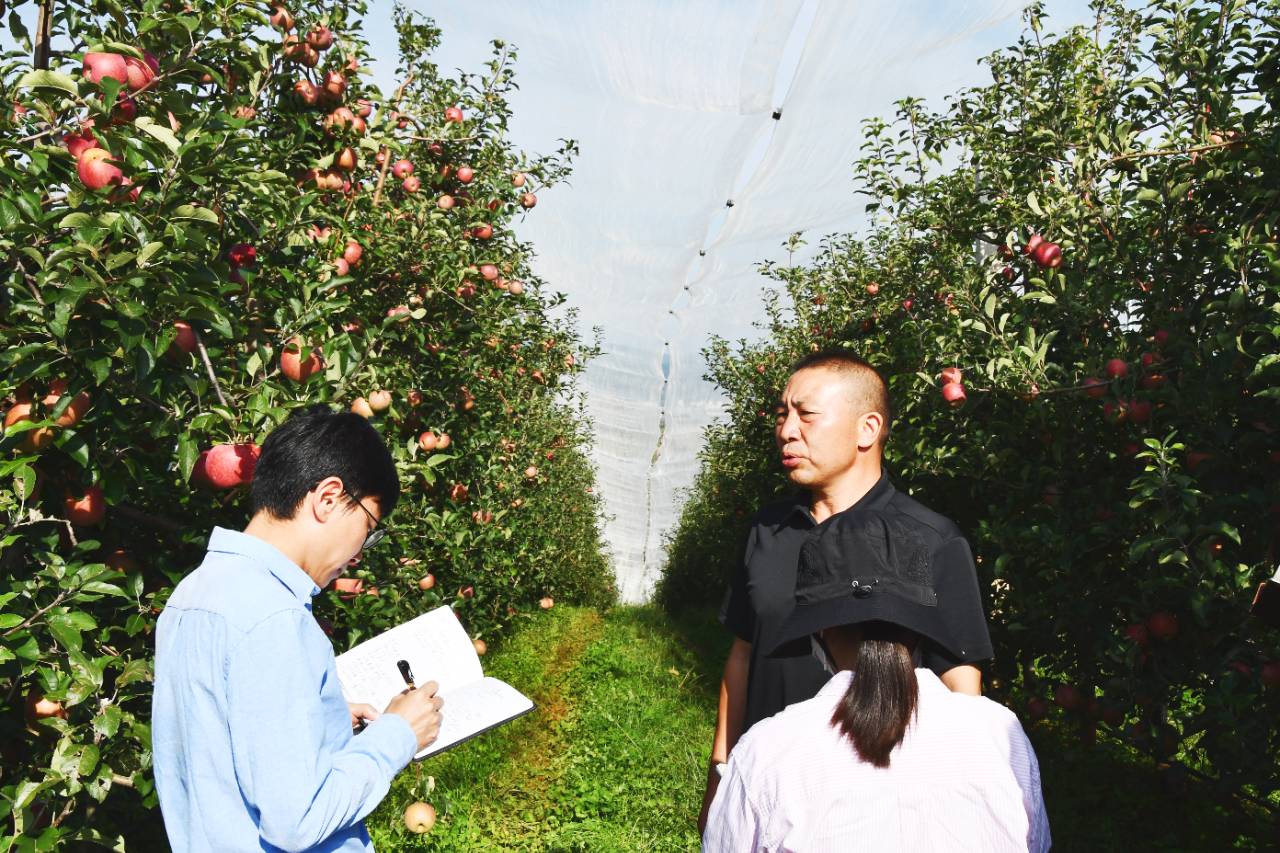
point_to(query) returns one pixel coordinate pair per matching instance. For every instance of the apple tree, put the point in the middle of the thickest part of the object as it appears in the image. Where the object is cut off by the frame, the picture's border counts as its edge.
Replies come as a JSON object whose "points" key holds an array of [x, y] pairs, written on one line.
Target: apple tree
{"points": [[1070, 280], [207, 223]]}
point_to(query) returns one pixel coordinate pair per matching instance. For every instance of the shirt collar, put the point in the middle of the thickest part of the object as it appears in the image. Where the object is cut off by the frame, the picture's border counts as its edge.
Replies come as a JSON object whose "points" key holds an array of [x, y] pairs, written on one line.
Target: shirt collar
{"points": [[875, 498], [926, 678], [264, 553]]}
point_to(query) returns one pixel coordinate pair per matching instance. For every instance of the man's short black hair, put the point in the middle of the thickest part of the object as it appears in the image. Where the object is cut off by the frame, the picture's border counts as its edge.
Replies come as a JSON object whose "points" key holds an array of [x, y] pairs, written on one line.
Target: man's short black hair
{"points": [[872, 392], [315, 443]]}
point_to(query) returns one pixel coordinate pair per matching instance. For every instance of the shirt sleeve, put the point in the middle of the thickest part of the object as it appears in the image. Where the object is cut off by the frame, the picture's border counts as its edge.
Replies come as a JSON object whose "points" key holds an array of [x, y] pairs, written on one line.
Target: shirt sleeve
{"points": [[736, 612], [301, 789], [1027, 769], [733, 825], [955, 579]]}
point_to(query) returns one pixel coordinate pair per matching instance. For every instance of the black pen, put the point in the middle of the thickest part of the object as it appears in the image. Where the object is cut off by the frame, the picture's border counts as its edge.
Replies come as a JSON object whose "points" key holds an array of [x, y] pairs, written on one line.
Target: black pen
{"points": [[406, 673]]}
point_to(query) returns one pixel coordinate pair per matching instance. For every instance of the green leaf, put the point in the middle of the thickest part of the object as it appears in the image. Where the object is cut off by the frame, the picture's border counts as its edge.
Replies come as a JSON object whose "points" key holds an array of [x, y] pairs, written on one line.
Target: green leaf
{"points": [[148, 251], [190, 211], [1034, 204], [49, 80], [160, 132]]}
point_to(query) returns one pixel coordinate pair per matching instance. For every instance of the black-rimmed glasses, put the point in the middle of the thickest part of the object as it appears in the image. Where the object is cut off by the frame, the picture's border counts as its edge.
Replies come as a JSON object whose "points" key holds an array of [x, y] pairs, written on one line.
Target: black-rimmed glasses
{"points": [[377, 534]]}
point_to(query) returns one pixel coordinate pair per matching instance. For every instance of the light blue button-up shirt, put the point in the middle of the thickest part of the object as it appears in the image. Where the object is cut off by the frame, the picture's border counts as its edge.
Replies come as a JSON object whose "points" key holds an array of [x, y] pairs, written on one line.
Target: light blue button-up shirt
{"points": [[251, 736]]}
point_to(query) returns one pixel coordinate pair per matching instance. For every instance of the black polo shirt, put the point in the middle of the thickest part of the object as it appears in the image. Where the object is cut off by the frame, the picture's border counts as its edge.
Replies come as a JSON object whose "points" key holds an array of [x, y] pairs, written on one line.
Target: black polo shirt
{"points": [[762, 593]]}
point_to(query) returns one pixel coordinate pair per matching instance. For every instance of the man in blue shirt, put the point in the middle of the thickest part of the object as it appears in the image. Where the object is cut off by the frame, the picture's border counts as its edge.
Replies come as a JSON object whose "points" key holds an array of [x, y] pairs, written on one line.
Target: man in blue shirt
{"points": [[252, 739]]}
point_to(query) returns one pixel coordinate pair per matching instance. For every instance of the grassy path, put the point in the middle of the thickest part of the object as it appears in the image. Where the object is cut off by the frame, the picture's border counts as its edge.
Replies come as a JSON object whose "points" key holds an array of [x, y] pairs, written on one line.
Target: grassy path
{"points": [[612, 760]]}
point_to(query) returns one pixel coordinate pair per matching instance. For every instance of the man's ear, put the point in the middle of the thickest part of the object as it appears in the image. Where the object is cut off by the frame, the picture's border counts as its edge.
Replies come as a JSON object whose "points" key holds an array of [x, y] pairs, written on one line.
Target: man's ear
{"points": [[326, 498], [869, 427]]}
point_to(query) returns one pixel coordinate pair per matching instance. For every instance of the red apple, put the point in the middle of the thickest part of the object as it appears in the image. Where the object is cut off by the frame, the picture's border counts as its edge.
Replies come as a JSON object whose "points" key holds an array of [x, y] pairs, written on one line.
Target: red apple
{"points": [[953, 393], [345, 159], [1137, 633], [141, 71], [225, 466], [488, 271], [364, 107], [411, 184], [427, 582], [97, 170], [78, 143], [1162, 625], [353, 252], [101, 66], [465, 174], [402, 168], [39, 708], [1033, 242], [306, 92], [453, 115], [444, 441], [87, 510], [480, 646], [528, 200], [335, 83], [1139, 411], [401, 311], [951, 374], [1117, 368], [546, 602], [242, 255], [1068, 697], [320, 37], [1269, 672], [483, 231], [186, 338], [362, 408], [515, 288], [294, 366], [348, 588], [1048, 255], [1095, 387], [458, 492], [445, 202], [341, 267], [380, 401], [1037, 708], [281, 19], [1161, 337], [518, 179]]}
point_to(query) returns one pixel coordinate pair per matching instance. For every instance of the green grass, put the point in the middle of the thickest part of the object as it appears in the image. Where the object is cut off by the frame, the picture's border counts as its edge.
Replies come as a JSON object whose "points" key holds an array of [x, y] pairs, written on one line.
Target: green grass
{"points": [[612, 760], [614, 757]]}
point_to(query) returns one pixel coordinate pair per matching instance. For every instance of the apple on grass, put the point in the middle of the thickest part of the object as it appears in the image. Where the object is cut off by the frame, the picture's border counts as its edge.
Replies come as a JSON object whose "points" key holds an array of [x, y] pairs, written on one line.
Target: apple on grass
{"points": [[419, 817]]}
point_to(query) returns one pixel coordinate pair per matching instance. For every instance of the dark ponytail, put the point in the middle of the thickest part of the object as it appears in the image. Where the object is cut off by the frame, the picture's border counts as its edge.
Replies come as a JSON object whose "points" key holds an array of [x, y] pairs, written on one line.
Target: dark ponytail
{"points": [[881, 700]]}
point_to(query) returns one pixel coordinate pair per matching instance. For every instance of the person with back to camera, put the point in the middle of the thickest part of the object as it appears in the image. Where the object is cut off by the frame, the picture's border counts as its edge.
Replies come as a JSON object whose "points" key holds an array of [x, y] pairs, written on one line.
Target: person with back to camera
{"points": [[832, 422], [885, 757], [252, 739]]}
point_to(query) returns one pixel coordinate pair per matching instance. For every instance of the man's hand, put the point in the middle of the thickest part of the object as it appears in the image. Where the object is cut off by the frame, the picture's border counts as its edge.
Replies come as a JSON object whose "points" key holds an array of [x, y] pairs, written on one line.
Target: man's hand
{"points": [[421, 710], [362, 713]]}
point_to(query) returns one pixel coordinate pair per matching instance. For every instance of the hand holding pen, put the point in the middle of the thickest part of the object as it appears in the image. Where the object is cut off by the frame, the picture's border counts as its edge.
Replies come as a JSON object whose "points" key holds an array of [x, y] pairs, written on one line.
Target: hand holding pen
{"points": [[419, 706]]}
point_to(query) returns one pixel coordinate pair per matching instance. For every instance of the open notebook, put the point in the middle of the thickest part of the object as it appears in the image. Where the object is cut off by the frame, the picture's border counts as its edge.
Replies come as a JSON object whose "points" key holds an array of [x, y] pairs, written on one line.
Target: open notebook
{"points": [[437, 649]]}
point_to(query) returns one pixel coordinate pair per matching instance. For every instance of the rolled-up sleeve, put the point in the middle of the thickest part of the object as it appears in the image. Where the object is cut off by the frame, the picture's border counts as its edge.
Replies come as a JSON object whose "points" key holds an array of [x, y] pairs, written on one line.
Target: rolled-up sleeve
{"points": [[301, 788]]}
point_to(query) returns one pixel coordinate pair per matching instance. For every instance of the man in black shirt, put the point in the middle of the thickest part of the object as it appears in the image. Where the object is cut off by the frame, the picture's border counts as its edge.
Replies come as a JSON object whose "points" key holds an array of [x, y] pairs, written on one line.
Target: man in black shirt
{"points": [[831, 425]]}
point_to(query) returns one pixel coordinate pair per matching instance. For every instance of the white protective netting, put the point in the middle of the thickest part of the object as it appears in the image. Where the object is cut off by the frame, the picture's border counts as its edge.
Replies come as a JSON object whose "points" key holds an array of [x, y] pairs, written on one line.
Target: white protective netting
{"points": [[672, 104]]}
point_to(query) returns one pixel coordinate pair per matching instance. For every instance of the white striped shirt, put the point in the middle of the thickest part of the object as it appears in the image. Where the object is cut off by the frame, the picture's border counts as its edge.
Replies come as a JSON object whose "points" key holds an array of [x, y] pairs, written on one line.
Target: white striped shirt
{"points": [[964, 778]]}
